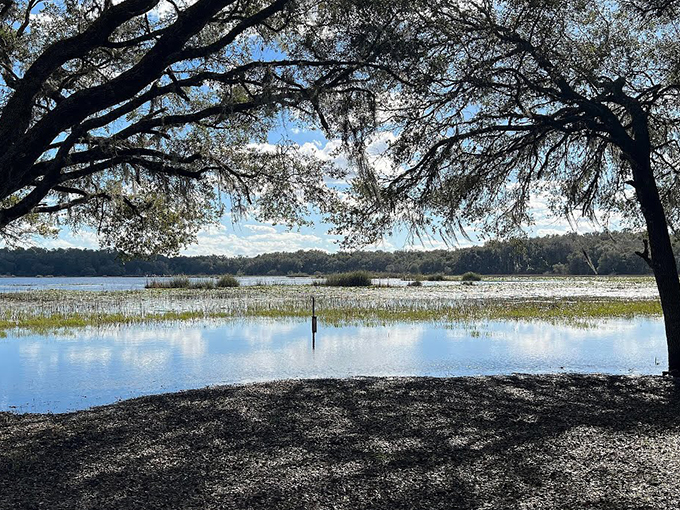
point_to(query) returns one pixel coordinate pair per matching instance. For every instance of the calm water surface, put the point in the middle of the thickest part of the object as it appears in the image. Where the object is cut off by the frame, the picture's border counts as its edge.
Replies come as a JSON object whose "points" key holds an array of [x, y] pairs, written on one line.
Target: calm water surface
{"points": [[98, 366], [22, 284], [505, 287]]}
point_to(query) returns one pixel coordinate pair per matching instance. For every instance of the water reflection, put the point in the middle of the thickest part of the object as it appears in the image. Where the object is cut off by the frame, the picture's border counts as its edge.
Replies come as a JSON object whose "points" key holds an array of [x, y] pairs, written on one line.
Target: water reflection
{"points": [[92, 367]]}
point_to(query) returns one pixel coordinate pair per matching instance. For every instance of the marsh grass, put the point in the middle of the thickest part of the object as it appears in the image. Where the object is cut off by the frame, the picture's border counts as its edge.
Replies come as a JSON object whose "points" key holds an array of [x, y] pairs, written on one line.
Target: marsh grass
{"points": [[45, 323], [183, 282], [576, 312], [331, 313], [54, 309], [202, 284], [471, 277], [353, 279], [227, 280], [177, 282]]}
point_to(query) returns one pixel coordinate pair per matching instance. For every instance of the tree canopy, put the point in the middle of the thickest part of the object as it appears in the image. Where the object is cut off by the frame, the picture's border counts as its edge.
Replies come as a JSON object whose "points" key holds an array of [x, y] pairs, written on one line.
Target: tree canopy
{"points": [[503, 100], [141, 119]]}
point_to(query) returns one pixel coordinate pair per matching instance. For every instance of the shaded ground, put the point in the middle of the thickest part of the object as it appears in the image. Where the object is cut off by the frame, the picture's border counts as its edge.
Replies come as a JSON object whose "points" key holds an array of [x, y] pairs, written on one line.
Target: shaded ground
{"points": [[559, 441]]}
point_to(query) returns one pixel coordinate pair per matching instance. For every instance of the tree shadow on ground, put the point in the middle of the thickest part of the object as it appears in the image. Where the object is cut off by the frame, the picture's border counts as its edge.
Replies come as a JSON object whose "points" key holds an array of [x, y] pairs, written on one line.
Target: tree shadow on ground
{"points": [[566, 441]]}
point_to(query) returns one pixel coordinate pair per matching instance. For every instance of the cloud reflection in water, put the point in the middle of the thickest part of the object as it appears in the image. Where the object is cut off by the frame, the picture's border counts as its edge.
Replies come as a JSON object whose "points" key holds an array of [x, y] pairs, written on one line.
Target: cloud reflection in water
{"points": [[97, 366]]}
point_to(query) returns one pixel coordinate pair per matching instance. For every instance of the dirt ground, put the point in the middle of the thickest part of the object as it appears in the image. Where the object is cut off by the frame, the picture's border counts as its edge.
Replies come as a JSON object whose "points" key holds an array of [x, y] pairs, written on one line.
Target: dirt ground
{"points": [[548, 441]]}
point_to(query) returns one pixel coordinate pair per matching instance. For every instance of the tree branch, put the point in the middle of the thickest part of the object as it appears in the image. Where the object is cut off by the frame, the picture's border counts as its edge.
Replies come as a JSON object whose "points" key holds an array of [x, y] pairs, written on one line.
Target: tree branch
{"points": [[644, 255]]}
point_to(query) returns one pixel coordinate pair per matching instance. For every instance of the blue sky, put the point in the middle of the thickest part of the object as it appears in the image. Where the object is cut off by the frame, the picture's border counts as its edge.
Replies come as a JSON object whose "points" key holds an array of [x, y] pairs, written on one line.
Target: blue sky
{"points": [[248, 237]]}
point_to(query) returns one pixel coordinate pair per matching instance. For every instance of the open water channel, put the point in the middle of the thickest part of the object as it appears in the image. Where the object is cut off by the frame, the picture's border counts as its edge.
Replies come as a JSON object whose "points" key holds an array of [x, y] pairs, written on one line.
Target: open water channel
{"points": [[93, 366]]}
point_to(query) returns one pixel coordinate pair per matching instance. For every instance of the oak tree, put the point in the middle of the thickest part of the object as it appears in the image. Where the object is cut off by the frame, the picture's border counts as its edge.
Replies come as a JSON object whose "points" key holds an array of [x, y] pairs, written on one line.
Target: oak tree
{"points": [[491, 102], [141, 119]]}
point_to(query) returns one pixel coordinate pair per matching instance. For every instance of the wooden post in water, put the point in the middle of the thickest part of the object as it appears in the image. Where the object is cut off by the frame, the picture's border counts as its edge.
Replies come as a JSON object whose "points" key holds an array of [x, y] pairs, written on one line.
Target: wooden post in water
{"points": [[313, 323]]}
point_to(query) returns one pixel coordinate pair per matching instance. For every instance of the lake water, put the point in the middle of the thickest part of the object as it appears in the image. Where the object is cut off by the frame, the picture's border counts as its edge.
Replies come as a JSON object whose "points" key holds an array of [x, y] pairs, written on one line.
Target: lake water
{"points": [[22, 284], [41, 373], [505, 287]]}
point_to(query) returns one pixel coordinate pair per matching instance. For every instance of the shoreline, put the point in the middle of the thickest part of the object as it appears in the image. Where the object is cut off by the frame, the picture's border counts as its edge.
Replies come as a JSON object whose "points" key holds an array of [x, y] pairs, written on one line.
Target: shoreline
{"points": [[518, 441]]}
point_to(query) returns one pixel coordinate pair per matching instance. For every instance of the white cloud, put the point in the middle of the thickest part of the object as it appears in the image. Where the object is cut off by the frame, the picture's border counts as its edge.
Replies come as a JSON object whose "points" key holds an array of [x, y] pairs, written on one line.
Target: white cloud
{"points": [[376, 149], [165, 7], [268, 148], [262, 241], [542, 232], [549, 222], [330, 151], [265, 229], [383, 245]]}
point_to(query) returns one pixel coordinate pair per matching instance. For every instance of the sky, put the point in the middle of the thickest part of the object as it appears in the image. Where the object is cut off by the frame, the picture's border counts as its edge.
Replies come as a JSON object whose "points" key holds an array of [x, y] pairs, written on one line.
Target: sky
{"points": [[248, 237]]}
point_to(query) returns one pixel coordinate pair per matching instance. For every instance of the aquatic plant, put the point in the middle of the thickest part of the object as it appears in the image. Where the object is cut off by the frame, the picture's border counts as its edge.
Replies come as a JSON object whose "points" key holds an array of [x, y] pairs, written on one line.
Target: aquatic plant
{"points": [[202, 284], [354, 279], [564, 300], [183, 282], [177, 282], [470, 277], [227, 280]]}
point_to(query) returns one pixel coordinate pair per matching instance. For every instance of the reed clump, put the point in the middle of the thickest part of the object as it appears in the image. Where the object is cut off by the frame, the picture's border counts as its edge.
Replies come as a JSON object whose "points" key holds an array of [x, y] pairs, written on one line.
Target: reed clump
{"points": [[353, 279], [202, 284], [227, 280], [183, 282], [178, 282], [470, 277]]}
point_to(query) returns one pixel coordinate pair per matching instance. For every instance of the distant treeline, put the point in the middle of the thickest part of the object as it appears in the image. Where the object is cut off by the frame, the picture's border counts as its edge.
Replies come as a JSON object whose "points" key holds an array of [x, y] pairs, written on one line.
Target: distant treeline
{"points": [[574, 254]]}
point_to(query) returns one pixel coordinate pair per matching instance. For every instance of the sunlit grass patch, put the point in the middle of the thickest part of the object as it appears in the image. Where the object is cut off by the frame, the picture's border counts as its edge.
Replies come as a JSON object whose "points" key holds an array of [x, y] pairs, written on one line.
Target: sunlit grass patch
{"points": [[45, 323], [553, 311]]}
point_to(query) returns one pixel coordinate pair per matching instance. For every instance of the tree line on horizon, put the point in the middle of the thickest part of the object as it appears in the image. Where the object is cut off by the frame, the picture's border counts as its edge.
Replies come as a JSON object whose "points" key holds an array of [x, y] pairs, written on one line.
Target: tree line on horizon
{"points": [[570, 254]]}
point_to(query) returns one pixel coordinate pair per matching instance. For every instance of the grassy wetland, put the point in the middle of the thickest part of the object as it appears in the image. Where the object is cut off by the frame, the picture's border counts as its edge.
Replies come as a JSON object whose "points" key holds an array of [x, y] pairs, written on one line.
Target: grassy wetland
{"points": [[574, 300]]}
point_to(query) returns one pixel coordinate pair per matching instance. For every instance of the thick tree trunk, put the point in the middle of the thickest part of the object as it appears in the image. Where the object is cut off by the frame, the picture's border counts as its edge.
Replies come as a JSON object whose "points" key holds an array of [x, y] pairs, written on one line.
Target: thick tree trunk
{"points": [[662, 258]]}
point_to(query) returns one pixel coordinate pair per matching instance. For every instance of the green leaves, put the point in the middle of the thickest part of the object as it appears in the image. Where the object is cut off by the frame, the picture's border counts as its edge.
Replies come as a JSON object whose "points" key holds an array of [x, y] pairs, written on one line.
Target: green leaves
{"points": [[153, 223], [507, 99], [139, 122]]}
